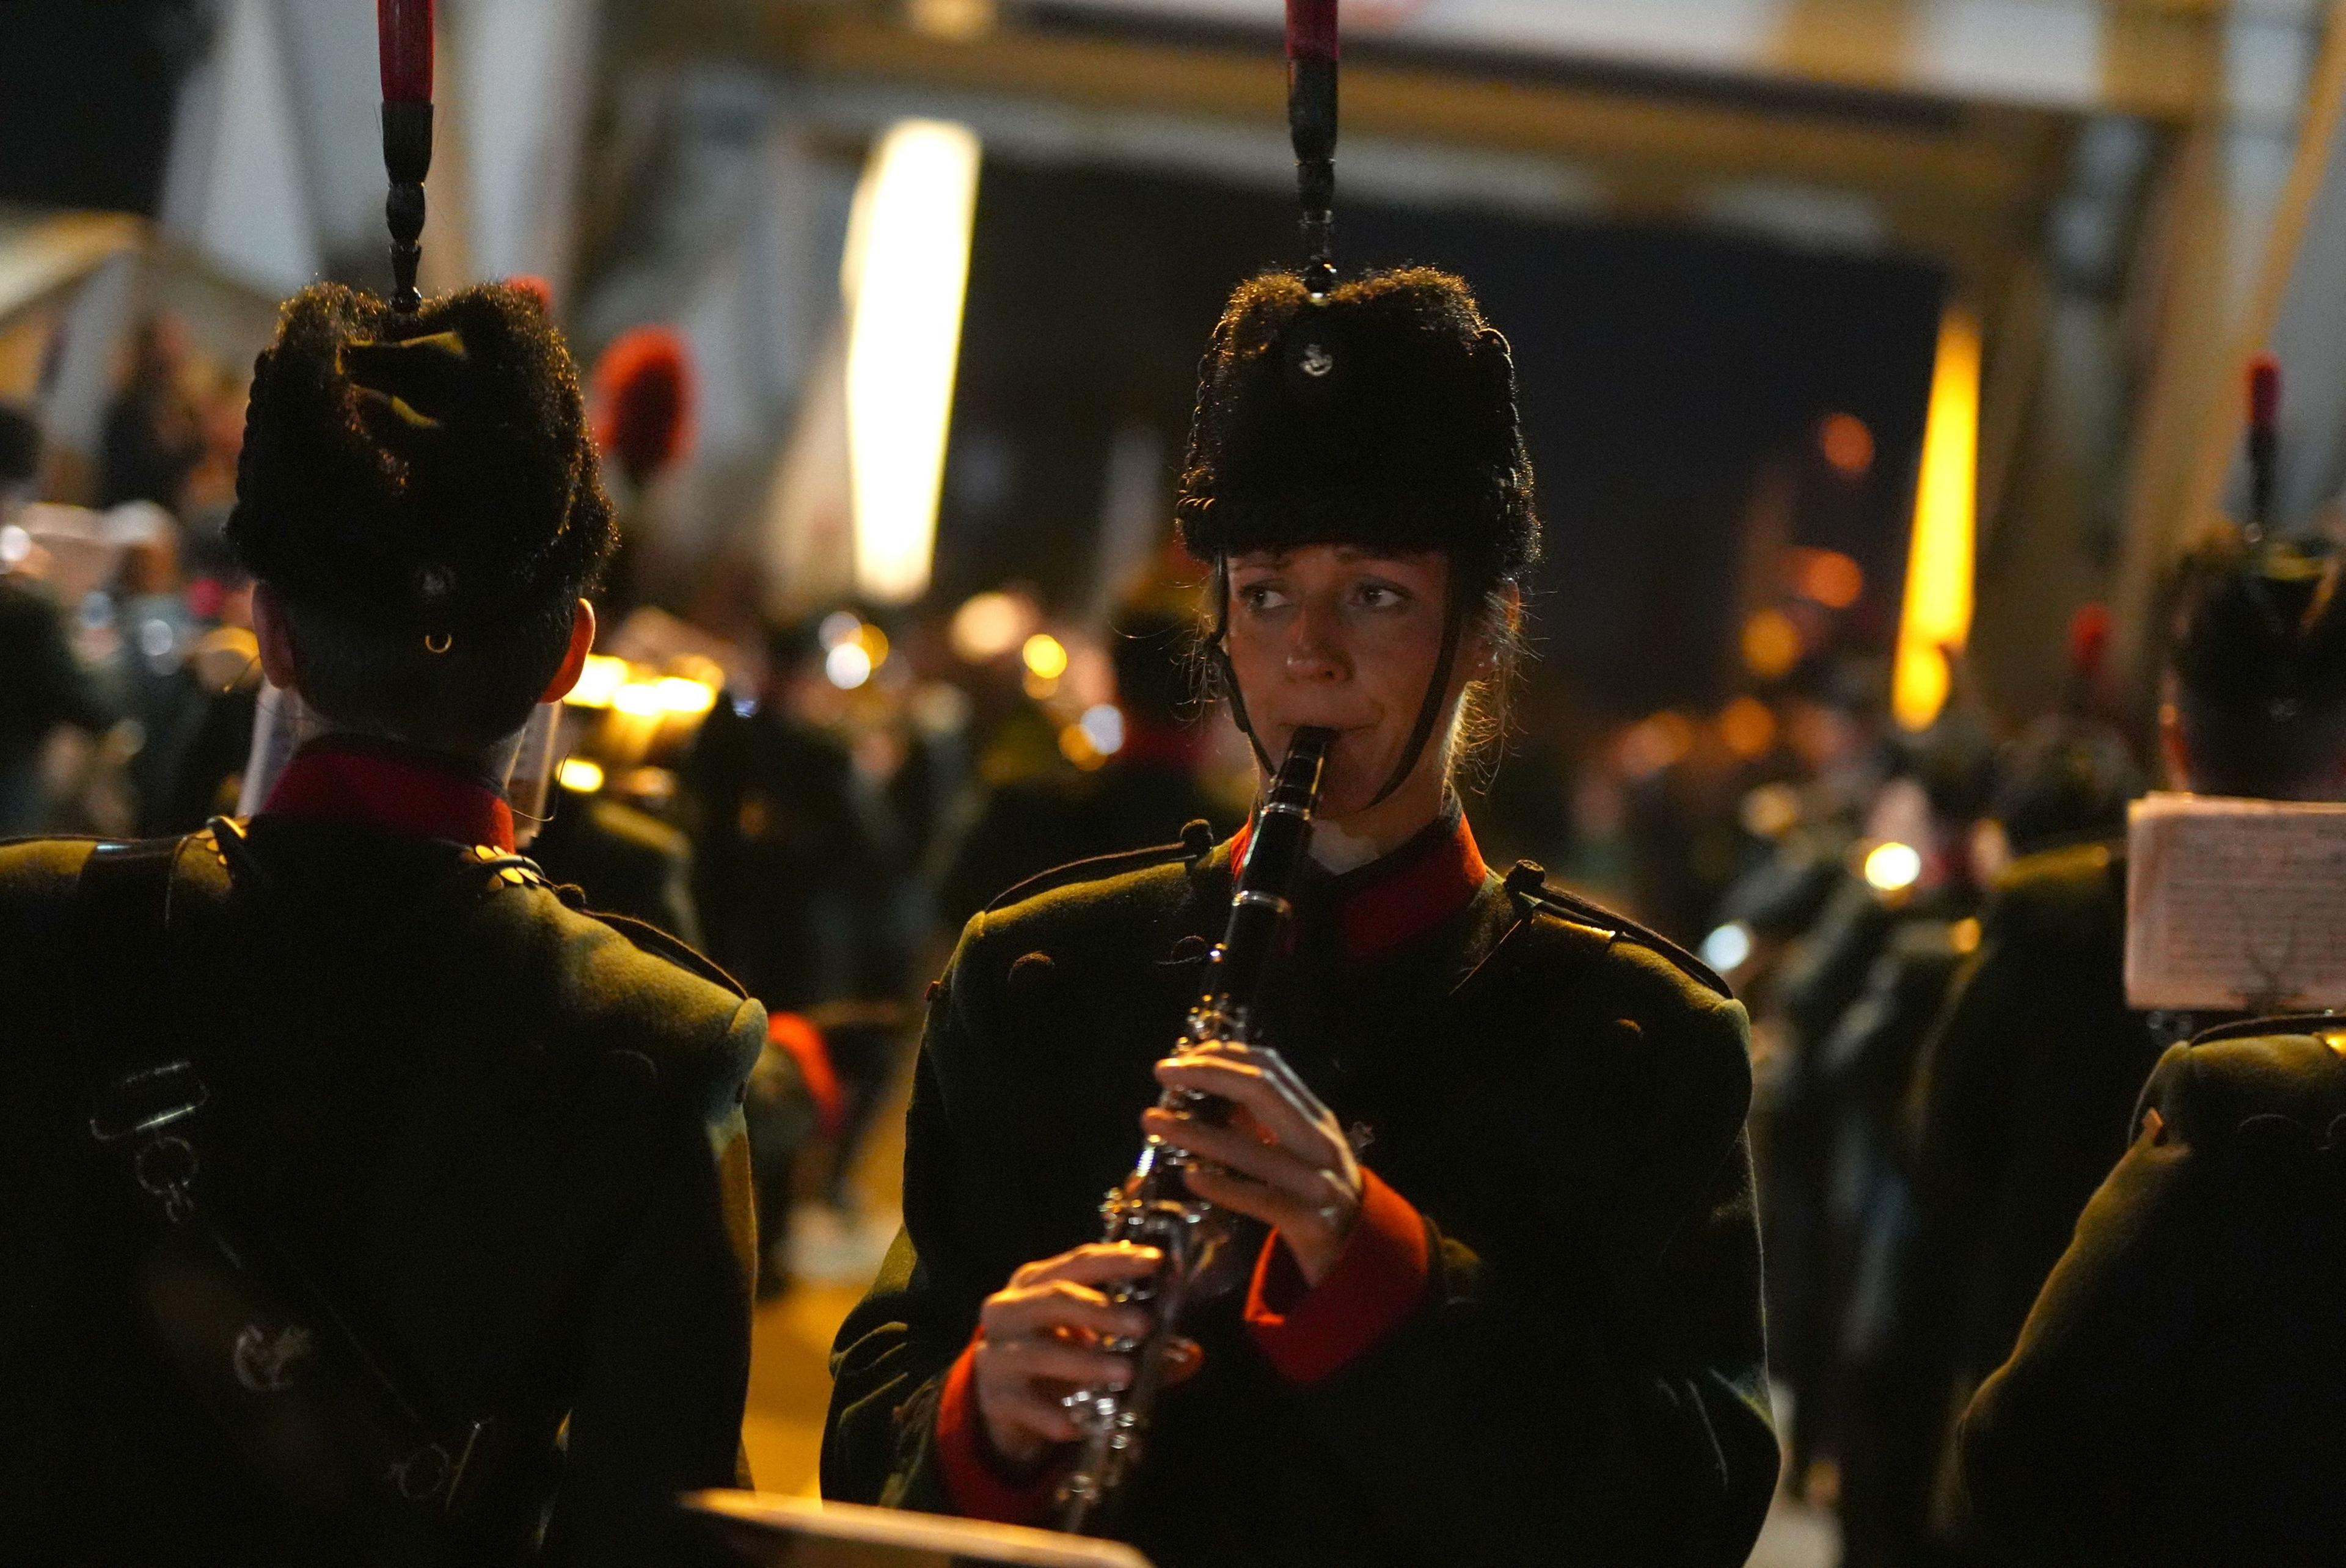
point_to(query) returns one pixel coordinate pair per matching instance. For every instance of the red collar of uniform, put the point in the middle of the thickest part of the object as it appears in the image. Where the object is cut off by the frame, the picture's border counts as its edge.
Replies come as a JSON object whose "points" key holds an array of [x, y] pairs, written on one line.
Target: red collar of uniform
{"points": [[398, 788], [1159, 746], [1394, 901]]}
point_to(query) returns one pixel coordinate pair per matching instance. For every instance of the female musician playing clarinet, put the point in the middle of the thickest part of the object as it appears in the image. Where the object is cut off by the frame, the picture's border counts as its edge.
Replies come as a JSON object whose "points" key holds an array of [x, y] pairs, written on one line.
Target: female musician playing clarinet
{"points": [[1500, 1301]]}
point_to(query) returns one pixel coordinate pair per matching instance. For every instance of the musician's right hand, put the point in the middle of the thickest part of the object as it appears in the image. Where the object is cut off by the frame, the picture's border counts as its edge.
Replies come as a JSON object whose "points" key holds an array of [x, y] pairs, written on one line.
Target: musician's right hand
{"points": [[1039, 1337]]}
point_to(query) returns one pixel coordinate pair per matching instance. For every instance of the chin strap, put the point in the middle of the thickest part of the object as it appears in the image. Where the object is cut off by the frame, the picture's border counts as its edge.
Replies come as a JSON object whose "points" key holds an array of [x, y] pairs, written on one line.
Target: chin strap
{"points": [[1219, 643], [1429, 712]]}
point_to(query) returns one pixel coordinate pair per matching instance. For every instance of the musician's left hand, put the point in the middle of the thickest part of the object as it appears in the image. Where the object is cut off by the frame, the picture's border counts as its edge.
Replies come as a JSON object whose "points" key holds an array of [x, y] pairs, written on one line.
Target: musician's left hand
{"points": [[1282, 1158]]}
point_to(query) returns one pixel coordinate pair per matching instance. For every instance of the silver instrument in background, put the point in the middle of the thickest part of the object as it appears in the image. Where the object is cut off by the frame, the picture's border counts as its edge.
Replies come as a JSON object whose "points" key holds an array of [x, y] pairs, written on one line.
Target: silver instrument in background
{"points": [[1154, 1208]]}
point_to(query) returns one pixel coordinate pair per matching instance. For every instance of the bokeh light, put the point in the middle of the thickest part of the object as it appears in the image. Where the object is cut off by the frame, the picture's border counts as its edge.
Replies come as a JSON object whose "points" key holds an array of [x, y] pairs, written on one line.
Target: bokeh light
{"points": [[1894, 867], [986, 627], [580, 775], [1728, 947], [1046, 656], [1104, 723], [1771, 644], [847, 666], [1748, 726], [1847, 445], [1828, 577]]}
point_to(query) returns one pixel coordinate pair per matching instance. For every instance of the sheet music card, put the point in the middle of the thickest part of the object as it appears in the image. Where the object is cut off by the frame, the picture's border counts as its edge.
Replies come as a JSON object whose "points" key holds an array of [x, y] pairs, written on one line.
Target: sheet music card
{"points": [[2235, 904]]}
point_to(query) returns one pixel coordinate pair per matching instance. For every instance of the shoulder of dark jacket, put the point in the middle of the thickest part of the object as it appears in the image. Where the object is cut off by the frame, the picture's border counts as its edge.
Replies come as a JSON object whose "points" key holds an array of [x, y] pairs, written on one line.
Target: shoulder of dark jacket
{"points": [[2291, 1066], [2066, 878], [602, 953], [1528, 885], [1197, 842], [649, 939]]}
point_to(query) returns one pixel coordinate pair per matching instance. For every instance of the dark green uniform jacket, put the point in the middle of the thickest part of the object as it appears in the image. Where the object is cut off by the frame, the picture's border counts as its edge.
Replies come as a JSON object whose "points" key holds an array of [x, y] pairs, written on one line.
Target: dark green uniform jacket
{"points": [[2019, 1108], [2179, 1395], [1582, 1378], [505, 1141]]}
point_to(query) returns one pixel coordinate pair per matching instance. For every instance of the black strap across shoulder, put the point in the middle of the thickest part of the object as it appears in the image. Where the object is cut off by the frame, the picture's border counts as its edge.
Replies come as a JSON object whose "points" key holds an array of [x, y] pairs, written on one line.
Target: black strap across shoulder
{"points": [[1528, 881], [317, 1410]]}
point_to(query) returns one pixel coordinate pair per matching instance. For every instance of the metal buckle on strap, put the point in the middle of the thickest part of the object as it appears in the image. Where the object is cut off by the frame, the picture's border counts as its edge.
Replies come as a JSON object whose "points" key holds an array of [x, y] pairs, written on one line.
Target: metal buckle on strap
{"points": [[434, 1474], [147, 1101]]}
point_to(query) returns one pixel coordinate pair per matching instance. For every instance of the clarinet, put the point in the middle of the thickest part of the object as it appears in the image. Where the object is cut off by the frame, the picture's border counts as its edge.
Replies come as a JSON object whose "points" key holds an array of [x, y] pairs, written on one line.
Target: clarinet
{"points": [[1152, 1207]]}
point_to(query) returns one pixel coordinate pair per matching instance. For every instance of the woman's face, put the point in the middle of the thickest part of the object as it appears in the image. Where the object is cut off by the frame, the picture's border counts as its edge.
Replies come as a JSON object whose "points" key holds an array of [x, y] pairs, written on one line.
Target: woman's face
{"points": [[1347, 640]]}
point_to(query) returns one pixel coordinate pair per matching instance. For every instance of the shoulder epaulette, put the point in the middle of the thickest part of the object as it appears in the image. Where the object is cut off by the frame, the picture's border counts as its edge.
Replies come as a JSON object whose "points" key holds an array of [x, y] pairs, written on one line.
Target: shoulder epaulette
{"points": [[1197, 843], [2061, 863], [507, 869], [1528, 882], [646, 938], [2318, 1024]]}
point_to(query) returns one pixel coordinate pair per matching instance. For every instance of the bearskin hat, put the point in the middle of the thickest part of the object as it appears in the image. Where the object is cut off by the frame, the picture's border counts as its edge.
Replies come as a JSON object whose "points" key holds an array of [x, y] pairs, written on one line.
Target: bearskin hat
{"points": [[1382, 416], [2259, 662], [424, 472]]}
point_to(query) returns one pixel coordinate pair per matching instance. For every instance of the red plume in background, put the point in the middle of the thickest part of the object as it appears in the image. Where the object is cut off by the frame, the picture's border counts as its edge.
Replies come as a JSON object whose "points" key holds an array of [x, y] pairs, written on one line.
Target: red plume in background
{"points": [[2089, 650], [643, 388], [2089, 640], [535, 287]]}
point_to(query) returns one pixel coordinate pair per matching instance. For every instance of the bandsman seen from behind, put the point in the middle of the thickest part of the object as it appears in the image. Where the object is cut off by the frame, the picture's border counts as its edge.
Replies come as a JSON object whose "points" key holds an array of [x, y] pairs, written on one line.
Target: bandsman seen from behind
{"points": [[367, 1202], [2177, 1394]]}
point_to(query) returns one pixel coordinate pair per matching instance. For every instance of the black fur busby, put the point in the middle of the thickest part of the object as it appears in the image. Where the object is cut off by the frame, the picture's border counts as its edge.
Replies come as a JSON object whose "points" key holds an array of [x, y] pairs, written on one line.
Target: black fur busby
{"points": [[2259, 657], [420, 474], [1382, 416]]}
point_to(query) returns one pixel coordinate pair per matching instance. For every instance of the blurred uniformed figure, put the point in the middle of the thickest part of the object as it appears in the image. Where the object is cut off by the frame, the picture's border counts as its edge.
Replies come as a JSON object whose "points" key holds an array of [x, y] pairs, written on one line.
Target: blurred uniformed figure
{"points": [[1852, 1002], [1505, 1293], [2178, 1391], [792, 871], [366, 1203], [42, 684], [625, 861], [1145, 793], [2018, 1102]]}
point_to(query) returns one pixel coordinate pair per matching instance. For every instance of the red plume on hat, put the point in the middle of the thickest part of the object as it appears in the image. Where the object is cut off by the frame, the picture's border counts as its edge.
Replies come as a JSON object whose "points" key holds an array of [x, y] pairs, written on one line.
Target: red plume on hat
{"points": [[643, 401]]}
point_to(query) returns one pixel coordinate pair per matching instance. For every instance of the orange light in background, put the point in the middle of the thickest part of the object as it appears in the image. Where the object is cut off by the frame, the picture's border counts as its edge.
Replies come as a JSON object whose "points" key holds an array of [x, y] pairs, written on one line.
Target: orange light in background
{"points": [[1847, 445], [1771, 644], [579, 775], [1828, 577], [599, 680], [1077, 746], [1938, 610], [1656, 743], [988, 626], [956, 21], [1747, 727]]}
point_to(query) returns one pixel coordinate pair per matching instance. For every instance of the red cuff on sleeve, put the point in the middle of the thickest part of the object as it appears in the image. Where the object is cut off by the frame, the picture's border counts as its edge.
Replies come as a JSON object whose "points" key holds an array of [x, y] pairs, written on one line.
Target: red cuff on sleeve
{"points": [[972, 1473], [1380, 1277]]}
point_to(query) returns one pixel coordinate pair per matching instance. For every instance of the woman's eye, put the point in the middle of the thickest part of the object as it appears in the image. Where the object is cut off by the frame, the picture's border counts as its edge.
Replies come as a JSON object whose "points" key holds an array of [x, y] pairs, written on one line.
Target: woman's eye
{"points": [[1380, 597], [1262, 597]]}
